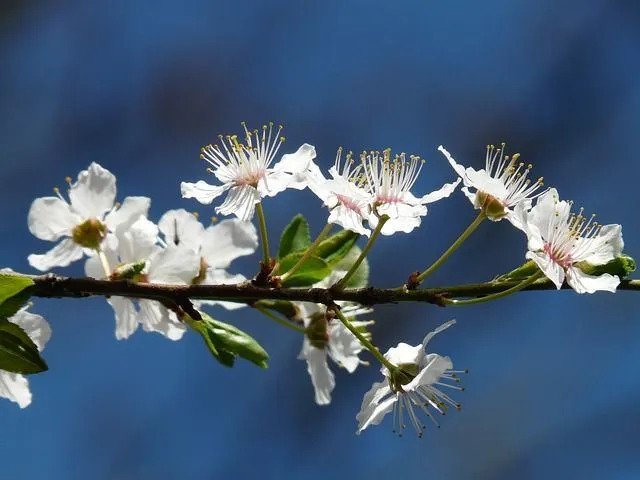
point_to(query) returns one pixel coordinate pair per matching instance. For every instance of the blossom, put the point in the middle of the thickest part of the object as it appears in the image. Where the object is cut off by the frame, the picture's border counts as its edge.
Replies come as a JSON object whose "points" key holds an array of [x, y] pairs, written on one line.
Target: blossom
{"points": [[245, 171], [138, 258], [15, 386], [344, 195], [325, 338], [559, 241], [85, 222], [216, 246], [498, 187], [413, 386], [389, 183]]}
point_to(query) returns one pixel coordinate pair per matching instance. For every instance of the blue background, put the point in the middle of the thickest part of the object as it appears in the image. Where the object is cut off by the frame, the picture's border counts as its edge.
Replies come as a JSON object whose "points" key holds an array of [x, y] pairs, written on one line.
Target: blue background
{"points": [[554, 390]]}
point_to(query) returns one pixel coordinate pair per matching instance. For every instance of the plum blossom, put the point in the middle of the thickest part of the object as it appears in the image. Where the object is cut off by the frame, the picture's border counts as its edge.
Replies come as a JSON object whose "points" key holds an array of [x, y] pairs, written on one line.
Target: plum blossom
{"points": [[138, 258], [15, 386], [344, 195], [88, 221], [389, 182], [559, 241], [413, 387], [500, 186], [328, 338], [244, 169], [216, 246]]}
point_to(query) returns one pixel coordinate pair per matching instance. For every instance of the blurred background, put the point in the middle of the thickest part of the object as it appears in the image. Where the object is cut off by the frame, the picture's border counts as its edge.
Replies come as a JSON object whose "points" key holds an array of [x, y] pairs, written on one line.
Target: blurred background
{"points": [[554, 387]]}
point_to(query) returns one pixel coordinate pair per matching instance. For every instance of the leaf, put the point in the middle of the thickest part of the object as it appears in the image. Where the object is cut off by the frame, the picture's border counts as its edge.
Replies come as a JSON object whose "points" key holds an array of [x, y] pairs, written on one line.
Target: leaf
{"points": [[336, 247], [361, 276], [226, 342], [284, 307], [523, 272], [295, 236], [18, 353], [312, 271], [14, 293], [622, 266]]}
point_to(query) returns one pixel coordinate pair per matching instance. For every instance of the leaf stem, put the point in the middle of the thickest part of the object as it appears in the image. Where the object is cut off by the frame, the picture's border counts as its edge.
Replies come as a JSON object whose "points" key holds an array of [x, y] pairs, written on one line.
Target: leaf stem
{"points": [[366, 343], [279, 320], [365, 251], [264, 238], [310, 250], [460, 240], [495, 296]]}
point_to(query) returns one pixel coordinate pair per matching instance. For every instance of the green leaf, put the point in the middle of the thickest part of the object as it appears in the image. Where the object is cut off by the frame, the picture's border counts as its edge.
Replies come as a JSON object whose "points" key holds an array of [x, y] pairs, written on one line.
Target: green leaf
{"points": [[336, 247], [226, 342], [622, 266], [295, 237], [18, 353], [14, 293], [312, 271], [361, 276], [523, 272]]}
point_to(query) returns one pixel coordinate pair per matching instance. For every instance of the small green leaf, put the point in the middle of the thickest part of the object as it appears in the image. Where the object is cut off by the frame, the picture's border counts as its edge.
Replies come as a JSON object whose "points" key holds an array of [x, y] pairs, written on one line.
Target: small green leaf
{"points": [[312, 271], [361, 276], [336, 247], [523, 272], [18, 353], [295, 237], [622, 266], [14, 293], [226, 342]]}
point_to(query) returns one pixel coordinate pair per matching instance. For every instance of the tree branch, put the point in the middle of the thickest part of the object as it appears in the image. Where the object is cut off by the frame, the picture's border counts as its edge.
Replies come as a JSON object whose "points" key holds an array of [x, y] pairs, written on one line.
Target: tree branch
{"points": [[54, 286]]}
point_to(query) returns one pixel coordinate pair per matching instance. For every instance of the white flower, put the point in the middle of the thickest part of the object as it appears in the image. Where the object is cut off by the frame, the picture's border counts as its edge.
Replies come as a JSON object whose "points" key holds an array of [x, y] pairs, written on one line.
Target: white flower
{"points": [[498, 187], [14, 386], [389, 182], [559, 240], [328, 339], [85, 222], [216, 246], [413, 388], [348, 202], [173, 264], [245, 170]]}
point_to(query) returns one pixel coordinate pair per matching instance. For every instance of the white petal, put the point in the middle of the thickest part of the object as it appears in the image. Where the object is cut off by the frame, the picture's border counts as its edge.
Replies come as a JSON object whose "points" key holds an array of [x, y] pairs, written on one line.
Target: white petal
{"points": [[15, 387], [439, 329], [126, 316], [348, 219], [51, 218], [298, 164], [202, 191], [62, 255], [606, 246], [551, 269], [344, 347], [402, 218], [241, 201], [483, 182], [224, 242], [156, 318], [404, 353], [583, 283], [458, 168], [518, 217], [174, 265], [470, 195], [139, 241], [132, 209], [94, 193], [443, 192], [34, 325], [434, 367], [180, 227], [321, 376], [93, 266], [374, 408]]}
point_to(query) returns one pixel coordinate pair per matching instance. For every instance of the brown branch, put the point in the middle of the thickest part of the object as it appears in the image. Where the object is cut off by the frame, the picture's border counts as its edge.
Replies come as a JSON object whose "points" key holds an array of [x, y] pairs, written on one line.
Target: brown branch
{"points": [[53, 286]]}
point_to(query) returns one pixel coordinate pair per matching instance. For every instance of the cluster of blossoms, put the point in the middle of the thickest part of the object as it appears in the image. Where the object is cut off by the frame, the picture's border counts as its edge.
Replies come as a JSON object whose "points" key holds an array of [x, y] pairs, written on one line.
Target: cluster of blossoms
{"points": [[371, 195]]}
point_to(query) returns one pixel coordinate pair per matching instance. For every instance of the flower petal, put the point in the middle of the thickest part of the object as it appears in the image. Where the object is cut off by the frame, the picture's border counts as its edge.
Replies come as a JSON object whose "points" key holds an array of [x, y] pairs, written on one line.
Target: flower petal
{"points": [[94, 193], [404, 353], [132, 209], [443, 192], [62, 255], [457, 167], [34, 325], [51, 218], [202, 191], [321, 376], [174, 265], [15, 387], [551, 269], [126, 316], [180, 227], [348, 219], [606, 246], [374, 406], [241, 201], [583, 283], [437, 330], [344, 347], [434, 366], [297, 164], [224, 242], [139, 241], [156, 318]]}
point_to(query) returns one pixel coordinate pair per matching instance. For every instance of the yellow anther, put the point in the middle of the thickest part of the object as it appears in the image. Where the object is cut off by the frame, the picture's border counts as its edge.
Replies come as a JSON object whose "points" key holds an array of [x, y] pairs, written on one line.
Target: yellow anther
{"points": [[195, 214], [214, 219], [68, 180]]}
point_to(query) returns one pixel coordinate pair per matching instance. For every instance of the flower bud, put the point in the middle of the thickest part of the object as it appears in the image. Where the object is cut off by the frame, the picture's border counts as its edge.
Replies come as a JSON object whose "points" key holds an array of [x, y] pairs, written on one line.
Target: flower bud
{"points": [[491, 206]]}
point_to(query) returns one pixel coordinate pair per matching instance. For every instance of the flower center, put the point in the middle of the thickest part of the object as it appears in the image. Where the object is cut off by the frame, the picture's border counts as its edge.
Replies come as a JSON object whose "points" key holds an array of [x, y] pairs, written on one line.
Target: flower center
{"points": [[491, 206], [561, 258], [89, 234], [349, 203], [402, 376]]}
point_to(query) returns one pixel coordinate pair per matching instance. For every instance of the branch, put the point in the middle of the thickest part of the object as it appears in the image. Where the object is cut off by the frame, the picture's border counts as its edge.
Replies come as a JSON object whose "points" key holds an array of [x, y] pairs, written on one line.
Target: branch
{"points": [[54, 286]]}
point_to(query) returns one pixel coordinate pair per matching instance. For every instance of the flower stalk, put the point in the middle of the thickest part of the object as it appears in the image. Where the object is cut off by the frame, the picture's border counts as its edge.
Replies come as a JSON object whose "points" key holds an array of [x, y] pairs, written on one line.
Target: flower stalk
{"points": [[264, 238], [495, 296], [309, 252]]}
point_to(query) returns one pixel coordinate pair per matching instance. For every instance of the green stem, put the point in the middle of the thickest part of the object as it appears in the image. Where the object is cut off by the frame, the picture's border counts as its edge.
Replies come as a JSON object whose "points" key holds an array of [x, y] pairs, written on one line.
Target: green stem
{"points": [[481, 216], [312, 248], [367, 248], [279, 320], [263, 234], [495, 296], [369, 346]]}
